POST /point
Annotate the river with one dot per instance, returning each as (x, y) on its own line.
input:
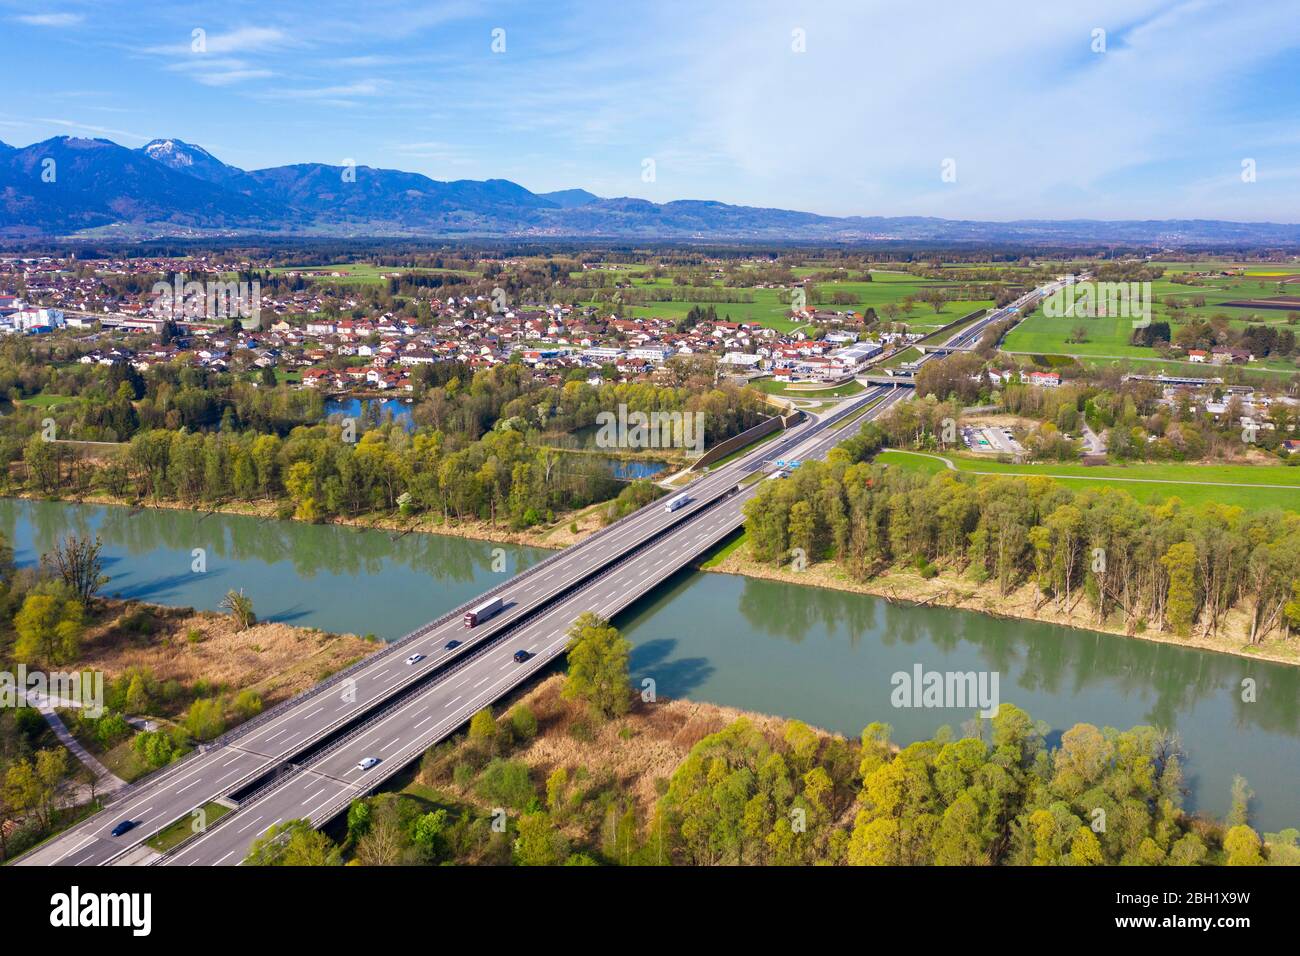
(823, 656)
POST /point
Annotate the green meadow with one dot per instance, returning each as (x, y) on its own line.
(1253, 487)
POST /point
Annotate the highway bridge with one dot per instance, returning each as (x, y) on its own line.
(299, 759)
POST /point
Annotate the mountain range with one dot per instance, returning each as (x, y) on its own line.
(68, 186)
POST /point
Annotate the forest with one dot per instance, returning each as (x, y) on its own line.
(1164, 567)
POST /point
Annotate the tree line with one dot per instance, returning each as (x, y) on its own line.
(1165, 567)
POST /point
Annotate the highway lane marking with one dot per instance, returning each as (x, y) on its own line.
(224, 858)
(319, 805)
(79, 847)
(188, 786)
(231, 774)
(452, 701)
(247, 825)
(313, 796)
(423, 722)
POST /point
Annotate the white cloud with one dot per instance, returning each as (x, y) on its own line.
(50, 19)
(861, 122)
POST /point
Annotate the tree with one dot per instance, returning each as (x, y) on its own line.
(539, 843)
(523, 722)
(428, 835)
(1180, 605)
(79, 564)
(482, 726)
(205, 719)
(1239, 813)
(137, 696)
(240, 607)
(385, 841)
(598, 666)
(49, 628)
(247, 704)
(1243, 847)
(293, 843)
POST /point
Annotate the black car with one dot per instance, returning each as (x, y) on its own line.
(122, 827)
(521, 656)
(452, 645)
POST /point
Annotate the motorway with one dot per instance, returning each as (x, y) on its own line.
(400, 732)
(385, 708)
(272, 740)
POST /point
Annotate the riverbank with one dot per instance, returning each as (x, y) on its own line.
(907, 587)
(206, 649)
(558, 535)
(901, 585)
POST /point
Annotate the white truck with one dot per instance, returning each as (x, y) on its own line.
(484, 611)
(680, 501)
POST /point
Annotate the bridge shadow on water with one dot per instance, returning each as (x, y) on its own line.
(673, 678)
(159, 590)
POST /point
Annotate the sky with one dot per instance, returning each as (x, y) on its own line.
(1000, 110)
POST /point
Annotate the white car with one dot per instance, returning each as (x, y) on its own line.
(415, 658)
(367, 763)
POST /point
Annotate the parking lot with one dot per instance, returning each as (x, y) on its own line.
(991, 440)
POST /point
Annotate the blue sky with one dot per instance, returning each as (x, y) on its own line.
(1037, 123)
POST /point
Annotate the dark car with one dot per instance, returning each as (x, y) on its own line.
(452, 645)
(521, 656)
(123, 827)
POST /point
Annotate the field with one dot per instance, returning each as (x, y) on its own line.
(1253, 487)
(1108, 336)
(365, 271)
(46, 400)
(771, 309)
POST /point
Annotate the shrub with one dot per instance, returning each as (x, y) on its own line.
(482, 726)
(523, 722)
(506, 783)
